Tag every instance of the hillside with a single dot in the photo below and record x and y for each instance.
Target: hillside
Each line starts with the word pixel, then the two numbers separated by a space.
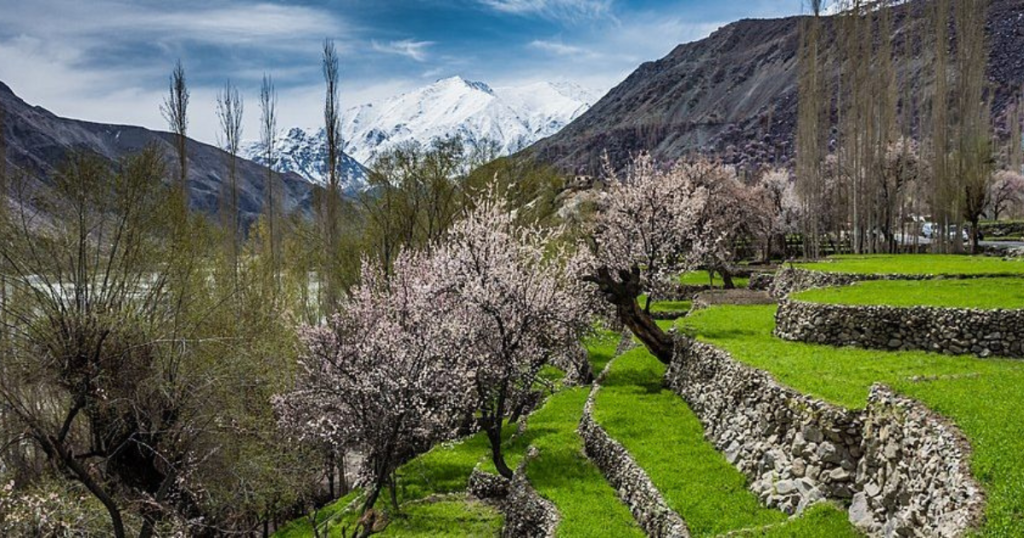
pixel 733 94
pixel 38 141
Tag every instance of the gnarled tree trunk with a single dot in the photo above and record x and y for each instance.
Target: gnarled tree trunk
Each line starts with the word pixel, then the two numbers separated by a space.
pixel 621 289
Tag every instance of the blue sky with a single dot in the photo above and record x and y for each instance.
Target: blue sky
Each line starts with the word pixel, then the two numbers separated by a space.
pixel 108 60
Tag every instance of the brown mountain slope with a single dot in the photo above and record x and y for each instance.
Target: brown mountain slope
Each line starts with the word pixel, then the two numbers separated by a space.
pixel 733 94
pixel 38 141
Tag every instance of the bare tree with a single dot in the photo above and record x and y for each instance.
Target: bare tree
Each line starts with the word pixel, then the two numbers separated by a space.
pixel 230 108
pixel 1015 157
pixel 974 134
pixel 175 111
pixel 268 139
pixel 332 201
pixel 811 125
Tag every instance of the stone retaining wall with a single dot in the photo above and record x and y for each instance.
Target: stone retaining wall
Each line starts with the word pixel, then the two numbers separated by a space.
pixel 795 450
pixel 904 467
pixel 527 514
pixel 631 482
pixel 914 478
pixel 945 330
pixel 793 280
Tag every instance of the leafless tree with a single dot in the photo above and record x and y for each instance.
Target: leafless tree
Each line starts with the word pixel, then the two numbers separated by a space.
pixel 332 199
pixel 230 109
pixel 812 117
pixel 974 160
pixel 268 138
pixel 175 111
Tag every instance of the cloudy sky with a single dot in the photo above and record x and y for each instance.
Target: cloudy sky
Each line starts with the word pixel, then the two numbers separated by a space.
pixel 108 60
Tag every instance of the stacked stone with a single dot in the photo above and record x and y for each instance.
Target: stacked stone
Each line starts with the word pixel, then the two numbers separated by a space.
pixel 914 478
pixel 953 331
pixel 527 514
pixel 905 468
pixel 794 449
pixel 761 281
pixel 631 482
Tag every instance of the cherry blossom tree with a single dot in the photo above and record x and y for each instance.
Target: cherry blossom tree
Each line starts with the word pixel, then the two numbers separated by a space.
pixel 777 209
pixel 381 377
pixel 728 214
pixel 1006 191
pixel 645 228
pixel 522 306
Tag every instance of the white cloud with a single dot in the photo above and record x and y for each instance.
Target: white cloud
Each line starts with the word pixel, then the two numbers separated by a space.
pixel 106 20
pixel 559 48
pixel 555 9
pixel 417 50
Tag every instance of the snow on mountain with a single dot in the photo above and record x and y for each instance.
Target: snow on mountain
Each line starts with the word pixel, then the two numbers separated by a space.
pixel 305 153
pixel 510 117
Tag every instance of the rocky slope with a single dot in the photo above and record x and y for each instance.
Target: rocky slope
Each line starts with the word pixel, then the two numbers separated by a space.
pixel 38 141
pixel 733 94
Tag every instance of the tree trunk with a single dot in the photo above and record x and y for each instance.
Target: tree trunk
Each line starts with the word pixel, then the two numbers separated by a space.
pixel 493 429
pixel 330 473
pixel 622 293
pixel 727 282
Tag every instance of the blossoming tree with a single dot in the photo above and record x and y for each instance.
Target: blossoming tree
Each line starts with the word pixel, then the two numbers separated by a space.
pixel 380 377
pixel 645 229
pixel 521 307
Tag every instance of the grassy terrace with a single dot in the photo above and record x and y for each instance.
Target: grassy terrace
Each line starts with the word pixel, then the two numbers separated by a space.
pixel 667 440
pixel 562 473
pixel 442 471
pixel 982 396
pixel 702 278
pixel 920 264
pixel 987 293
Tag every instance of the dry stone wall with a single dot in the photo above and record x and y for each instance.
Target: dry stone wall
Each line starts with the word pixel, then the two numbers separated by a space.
pixel 904 468
pixel 631 482
pixel 527 514
pixel 954 331
pixel 914 478
pixel 792 280
pixel 795 450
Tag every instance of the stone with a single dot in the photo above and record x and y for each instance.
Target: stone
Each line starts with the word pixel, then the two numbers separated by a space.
pixel 840 475
pixel 894 343
pixel 799 468
pixel 872 489
pixel 812 434
pixel 785 487
pixel 860 512
pixel 827 453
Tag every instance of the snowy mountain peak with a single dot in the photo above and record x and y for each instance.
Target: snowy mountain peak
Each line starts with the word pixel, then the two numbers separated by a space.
pixel 457 83
pixel 509 117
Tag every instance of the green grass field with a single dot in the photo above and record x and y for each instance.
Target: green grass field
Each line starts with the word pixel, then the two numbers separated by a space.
pixel 917 264
pixel 986 293
pixel 702 278
pixel 442 471
pixel 982 396
pixel 562 473
pixel 667 440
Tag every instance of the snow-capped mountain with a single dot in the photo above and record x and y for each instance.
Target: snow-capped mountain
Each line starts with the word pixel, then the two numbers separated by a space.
pixel 510 117
pixel 305 153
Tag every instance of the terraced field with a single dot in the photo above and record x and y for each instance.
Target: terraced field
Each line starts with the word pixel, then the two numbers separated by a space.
pixel 984 293
pixel 917 264
pixel 981 396
pixel 665 438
